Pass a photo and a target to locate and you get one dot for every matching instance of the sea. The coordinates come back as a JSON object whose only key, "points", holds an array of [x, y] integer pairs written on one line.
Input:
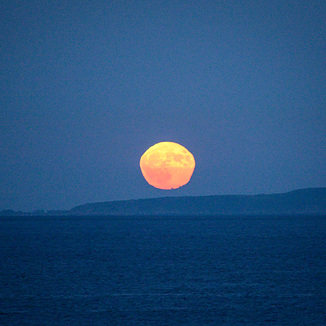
{"points": [[143, 270]]}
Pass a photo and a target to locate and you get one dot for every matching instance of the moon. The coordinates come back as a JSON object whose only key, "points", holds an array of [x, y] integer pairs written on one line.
{"points": [[167, 165]]}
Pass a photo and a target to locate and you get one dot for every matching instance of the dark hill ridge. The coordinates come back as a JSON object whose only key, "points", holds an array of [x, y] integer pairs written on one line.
{"points": [[304, 201]]}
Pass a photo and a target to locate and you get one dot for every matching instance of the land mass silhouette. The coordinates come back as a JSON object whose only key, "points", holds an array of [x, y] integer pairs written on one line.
{"points": [[298, 202], [303, 201]]}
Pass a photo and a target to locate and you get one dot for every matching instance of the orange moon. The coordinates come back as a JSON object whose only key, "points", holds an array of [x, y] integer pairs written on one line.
{"points": [[167, 165]]}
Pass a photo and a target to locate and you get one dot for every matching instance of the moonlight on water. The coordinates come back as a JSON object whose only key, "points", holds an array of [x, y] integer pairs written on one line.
{"points": [[167, 165]]}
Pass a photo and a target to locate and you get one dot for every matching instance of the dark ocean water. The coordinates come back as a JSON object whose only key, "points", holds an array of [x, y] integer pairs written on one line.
{"points": [[163, 271]]}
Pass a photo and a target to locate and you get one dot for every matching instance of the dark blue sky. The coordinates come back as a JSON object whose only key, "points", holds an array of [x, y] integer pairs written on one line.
{"points": [[88, 86]]}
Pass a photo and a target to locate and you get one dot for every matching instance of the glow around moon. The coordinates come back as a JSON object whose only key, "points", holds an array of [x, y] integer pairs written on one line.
{"points": [[167, 165]]}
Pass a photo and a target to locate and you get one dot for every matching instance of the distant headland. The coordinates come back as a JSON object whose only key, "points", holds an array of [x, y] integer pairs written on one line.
{"points": [[297, 202]]}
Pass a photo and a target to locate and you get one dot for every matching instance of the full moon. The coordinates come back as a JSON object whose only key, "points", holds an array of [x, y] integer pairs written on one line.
{"points": [[167, 165]]}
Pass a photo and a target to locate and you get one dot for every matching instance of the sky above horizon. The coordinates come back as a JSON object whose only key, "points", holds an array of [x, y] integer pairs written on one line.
{"points": [[88, 87]]}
